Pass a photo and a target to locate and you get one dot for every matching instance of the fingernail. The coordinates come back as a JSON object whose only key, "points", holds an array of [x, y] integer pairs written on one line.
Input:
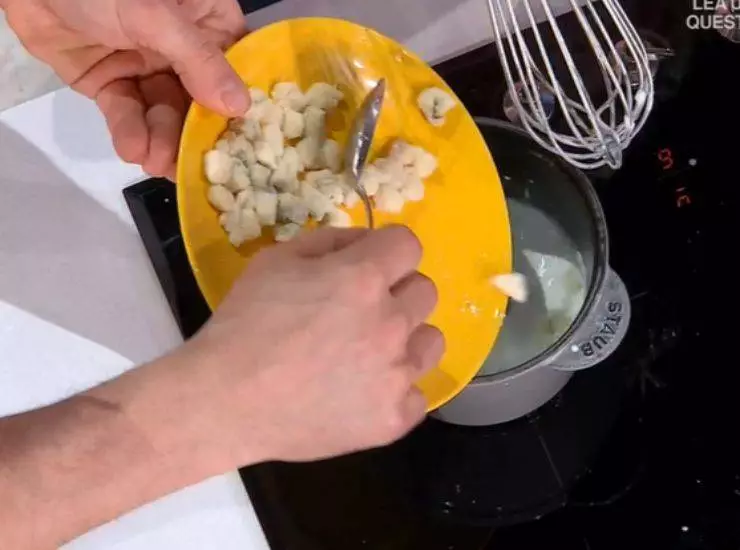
{"points": [[235, 99]]}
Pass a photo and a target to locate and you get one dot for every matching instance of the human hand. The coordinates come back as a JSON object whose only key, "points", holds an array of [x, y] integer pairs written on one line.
{"points": [[313, 354], [139, 60], [316, 350]]}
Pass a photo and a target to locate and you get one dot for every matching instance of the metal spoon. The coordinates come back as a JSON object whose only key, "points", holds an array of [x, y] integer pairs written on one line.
{"points": [[359, 142]]}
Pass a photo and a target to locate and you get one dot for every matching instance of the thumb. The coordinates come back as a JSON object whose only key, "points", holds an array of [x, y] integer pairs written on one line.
{"points": [[199, 63]]}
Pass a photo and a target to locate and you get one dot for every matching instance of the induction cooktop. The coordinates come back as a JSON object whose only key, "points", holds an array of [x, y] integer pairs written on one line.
{"points": [[249, 6], [640, 452]]}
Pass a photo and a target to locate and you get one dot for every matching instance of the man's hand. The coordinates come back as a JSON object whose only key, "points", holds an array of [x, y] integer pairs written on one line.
{"points": [[313, 354], [133, 57], [316, 351]]}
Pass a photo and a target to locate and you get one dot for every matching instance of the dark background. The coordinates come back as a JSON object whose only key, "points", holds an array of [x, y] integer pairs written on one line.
{"points": [[253, 5]]}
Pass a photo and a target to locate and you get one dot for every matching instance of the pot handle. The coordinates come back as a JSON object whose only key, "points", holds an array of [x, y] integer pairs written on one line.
{"points": [[601, 332]]}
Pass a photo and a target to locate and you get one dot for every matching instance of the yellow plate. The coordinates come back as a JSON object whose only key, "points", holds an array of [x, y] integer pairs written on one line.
{"points": [[463, 221]]}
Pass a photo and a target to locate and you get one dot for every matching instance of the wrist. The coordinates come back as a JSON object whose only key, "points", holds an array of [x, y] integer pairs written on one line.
{"points": [[110, 447], [177, 405]]}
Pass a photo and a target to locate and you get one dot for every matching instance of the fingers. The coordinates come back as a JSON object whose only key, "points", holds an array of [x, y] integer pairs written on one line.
{"points": [[125, 112], [314, 244], [165, 124], [416, 297], [413, 410], [145, 120], [165, 117], [200, 63], [425, 350], [395, 251], [113, 66]]}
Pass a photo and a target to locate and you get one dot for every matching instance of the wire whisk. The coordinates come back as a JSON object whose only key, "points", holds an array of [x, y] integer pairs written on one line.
{"points": [[589, 128]]}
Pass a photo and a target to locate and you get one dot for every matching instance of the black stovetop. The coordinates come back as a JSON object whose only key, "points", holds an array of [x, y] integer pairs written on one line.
{"points": [[640, 452]]}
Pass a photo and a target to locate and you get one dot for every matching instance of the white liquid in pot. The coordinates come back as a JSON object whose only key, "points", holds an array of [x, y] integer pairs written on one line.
{"points": [[557, 282]]}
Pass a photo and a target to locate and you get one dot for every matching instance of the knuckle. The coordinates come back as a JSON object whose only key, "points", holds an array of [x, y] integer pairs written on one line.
{"points": [[391, 423], [398, 384], [369, 278], [437, 343], [428, 289], [397, 428], [405, 234], [395, 425], [406, 239], [395, 330], [208, 52], [205, 54], [364, 281], [130, 151]]}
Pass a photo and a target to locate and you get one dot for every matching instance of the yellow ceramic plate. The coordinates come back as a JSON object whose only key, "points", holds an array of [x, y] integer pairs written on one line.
{"points": [[463, 221]]}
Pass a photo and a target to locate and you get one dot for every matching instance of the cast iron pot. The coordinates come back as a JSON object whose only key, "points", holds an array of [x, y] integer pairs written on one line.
{"points": [[533, 176]]}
